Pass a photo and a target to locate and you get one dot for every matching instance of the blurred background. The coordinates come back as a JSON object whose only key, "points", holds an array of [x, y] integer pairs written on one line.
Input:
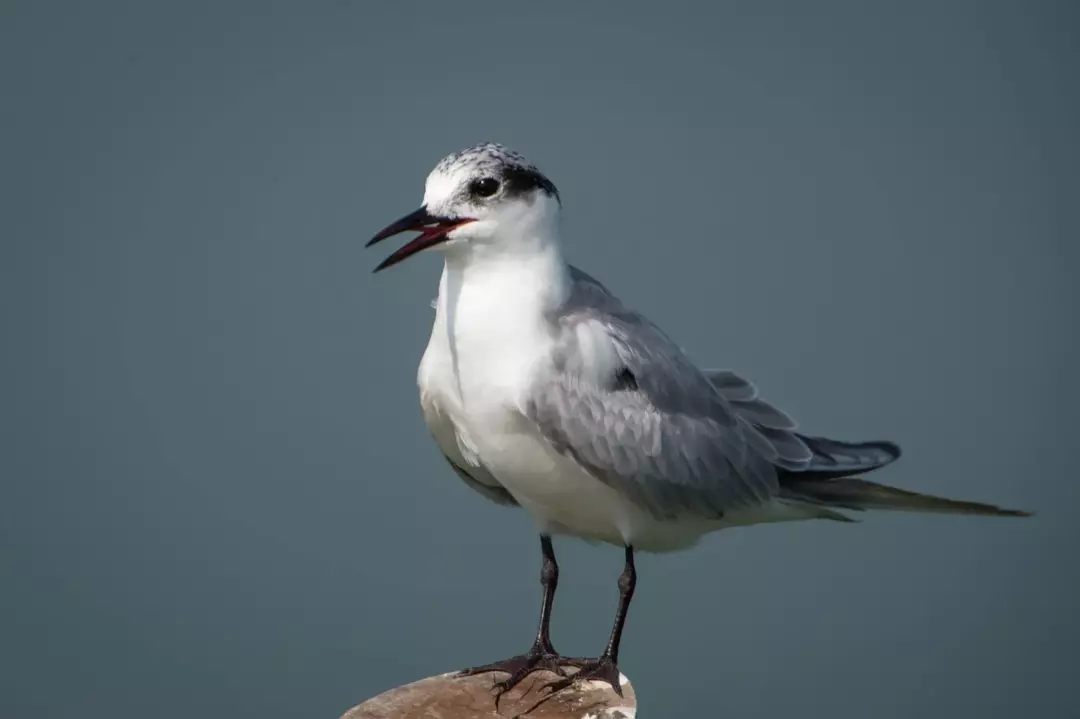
{"points": [[219, 498]]}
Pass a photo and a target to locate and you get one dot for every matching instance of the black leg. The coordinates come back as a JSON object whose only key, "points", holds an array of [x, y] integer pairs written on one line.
{"points": [[606, 666], [627, 583], [549, 580], [542, 655]]}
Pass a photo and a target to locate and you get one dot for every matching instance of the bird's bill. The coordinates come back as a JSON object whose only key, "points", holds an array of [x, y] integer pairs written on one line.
{"points": [[432, 229]]}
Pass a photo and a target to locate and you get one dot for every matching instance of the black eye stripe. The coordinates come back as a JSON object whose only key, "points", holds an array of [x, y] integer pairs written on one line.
{"points": [[514, 181], [520, 180]]}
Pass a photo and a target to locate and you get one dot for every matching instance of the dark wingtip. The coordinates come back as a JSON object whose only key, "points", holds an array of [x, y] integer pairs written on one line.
{"points": [[890, 448], [1015, 513], [886, 446]]}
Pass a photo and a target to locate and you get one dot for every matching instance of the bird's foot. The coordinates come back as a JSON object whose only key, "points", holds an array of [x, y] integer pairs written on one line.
{"points": [[601, 669], [536, 659]]}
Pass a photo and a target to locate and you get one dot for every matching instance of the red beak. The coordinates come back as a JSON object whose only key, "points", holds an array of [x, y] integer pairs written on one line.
{"points": [[433, 230]]}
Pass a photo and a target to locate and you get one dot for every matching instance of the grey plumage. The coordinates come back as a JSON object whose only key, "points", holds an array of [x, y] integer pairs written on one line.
{"points": [[687, 442], [673, 445]]}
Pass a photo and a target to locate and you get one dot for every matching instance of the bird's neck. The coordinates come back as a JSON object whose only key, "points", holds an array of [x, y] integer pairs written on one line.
{"points": [[527, 277], [493, 311]]}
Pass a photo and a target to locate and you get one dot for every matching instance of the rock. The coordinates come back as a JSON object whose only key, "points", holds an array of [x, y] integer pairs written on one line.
{"points": [[447, 696]]}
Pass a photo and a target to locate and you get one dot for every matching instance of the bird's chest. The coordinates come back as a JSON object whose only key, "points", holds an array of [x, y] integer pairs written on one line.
{"points": [[475, 372], [495, 336]]}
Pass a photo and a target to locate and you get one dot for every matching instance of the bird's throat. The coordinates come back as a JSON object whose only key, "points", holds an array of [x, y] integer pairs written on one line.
{"points": [[495, 313]]}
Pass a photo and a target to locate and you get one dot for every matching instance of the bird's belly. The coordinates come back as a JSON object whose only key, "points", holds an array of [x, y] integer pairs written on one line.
{"points": [[563, 498]]}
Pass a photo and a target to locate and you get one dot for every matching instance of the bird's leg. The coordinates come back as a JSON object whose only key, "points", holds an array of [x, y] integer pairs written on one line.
{"points": [[542, 655], [549, 580], [606, 666]]}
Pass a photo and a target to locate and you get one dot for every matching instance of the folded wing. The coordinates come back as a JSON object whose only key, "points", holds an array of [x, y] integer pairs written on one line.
{"points": [[624, 401]]}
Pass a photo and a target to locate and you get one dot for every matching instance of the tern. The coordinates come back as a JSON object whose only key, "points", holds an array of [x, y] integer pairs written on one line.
{"points": [[544, 391]]}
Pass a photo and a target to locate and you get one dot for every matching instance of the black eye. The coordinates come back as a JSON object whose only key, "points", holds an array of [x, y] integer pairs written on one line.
{"points": [[484, 187]]}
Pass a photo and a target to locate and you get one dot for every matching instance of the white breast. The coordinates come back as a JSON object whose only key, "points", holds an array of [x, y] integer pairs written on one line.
{"points": [[440, 399]]}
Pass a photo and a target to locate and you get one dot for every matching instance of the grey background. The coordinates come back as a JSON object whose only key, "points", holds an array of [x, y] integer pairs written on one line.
{"points": [[219, 498]]}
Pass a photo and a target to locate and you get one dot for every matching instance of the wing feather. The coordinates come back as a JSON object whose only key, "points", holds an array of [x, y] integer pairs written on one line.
{"points": [[670, 441]]}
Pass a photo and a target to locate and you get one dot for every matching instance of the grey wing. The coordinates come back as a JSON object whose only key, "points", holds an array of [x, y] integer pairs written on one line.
{"points": [[741, 394], [623, 400], [792, 452], [808, 455]]}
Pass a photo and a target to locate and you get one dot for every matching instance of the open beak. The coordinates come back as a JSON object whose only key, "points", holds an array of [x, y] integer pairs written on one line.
{"points": [[432, 229]]}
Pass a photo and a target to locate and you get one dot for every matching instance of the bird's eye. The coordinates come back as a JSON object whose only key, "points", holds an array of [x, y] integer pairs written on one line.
{"points": [[484, 187]]}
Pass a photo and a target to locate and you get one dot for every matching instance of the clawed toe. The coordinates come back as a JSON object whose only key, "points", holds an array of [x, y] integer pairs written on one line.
{"points": [[519, 668], [603, 669]]}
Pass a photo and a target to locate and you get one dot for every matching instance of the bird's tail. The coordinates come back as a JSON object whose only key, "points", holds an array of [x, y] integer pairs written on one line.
{"points": [[859, 494]]}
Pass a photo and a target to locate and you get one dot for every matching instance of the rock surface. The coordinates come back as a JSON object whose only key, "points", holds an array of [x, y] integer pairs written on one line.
{"points": [[447, 696]]}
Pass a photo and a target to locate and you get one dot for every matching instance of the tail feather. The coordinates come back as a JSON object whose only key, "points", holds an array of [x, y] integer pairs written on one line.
{"points": [[859, 494]]}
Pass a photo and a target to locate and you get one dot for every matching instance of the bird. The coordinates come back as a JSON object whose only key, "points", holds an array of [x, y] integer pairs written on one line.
{"points": [[545, 392]]}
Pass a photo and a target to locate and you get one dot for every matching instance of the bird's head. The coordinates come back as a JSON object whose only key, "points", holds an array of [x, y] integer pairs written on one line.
{"points": [[483, 199]]}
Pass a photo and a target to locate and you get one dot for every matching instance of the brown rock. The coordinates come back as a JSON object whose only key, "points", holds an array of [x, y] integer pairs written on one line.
{"points": [[447, 696]]}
